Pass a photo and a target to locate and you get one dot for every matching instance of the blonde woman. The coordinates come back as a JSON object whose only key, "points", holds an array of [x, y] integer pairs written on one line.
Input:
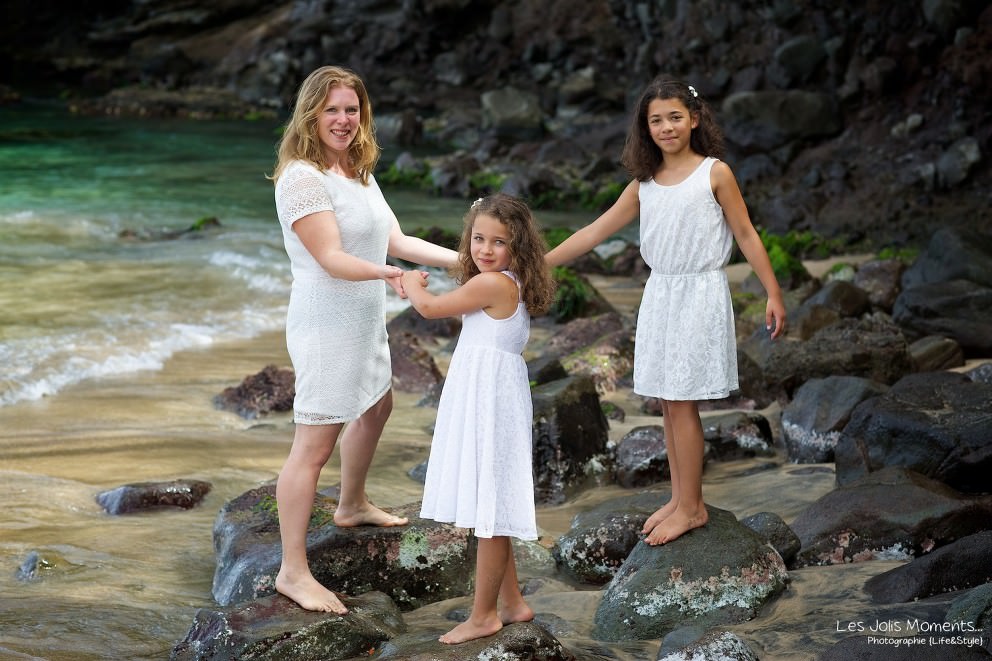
{"points": [[338, 230]]}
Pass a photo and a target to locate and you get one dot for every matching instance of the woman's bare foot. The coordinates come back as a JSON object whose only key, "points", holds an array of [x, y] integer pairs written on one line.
{"points": [[369, 515], [521, 613], [471, 629], [659, 515], [309, 594], [677, 524]]}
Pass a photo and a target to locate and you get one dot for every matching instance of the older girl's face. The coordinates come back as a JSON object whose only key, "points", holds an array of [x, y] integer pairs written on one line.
{"points": [[670, 124], [338, 123]]}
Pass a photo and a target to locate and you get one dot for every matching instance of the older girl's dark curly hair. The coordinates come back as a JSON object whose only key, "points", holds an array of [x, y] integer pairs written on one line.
{"points": [[641, 156]]}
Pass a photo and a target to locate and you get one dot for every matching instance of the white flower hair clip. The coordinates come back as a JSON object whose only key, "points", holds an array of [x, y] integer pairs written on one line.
{"points": [[476, 203], [692, 90]]}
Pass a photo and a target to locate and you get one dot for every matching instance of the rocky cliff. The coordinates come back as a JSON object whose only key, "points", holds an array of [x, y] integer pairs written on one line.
{"points": [[862, 121]]}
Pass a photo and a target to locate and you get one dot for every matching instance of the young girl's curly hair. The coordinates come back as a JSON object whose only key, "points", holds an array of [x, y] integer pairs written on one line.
{"points": [[527, 248], [641, 156], [300, 139]]}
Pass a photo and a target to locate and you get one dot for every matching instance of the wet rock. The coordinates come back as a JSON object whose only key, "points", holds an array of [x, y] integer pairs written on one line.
{"points": [[962, 564], [738, 435], [28, 569], [776, 532], [274, 628], [975, 607], [569, 431], [601, 538], [609, 360], [894, 513], [934, 353], [545, 369], [935, 423], [414, 369], [411, 321], [584, 331], [522, 641], [272, 389], [722, 645], [141, 496], [641, 457], [414, 565], [720, 573], [813, 421]]}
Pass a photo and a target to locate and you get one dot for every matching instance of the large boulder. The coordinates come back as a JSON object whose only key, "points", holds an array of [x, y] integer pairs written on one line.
{"points": [[415, 565], [892, 513], [936, 423], [271, 390], [720, 573], [522, 641], [274, 628]]}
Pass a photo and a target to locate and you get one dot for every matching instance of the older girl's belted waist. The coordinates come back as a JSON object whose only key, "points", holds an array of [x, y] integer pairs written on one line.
{"points": [[690, 275]]}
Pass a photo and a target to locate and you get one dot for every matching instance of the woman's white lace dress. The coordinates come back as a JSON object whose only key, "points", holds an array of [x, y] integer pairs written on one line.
{"points": [[685, 346], [480, 471], [335, 329]]}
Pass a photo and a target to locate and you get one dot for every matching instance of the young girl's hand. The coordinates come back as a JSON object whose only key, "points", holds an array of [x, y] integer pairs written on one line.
{"points": [[415, 278], [775, 314]]}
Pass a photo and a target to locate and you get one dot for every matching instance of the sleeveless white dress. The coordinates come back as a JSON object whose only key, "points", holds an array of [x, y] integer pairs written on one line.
{"points": [[480, 471], [685, 344], [335, 329]]}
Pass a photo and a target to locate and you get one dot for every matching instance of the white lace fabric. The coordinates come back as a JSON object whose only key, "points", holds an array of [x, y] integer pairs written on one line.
{"points": [[685, 345]]}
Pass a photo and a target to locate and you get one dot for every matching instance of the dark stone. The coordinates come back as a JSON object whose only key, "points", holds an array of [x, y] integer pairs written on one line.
{"points": [[958, 309], [776, 532], [414, 369], [274, 628], [738, 435], [641, 457], [272, 389], [141, 496], [934, 353]]}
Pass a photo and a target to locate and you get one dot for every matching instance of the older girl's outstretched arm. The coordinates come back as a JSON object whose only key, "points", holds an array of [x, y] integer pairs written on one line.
{"points": [[493, 292], [728, 194], [624, 210]]}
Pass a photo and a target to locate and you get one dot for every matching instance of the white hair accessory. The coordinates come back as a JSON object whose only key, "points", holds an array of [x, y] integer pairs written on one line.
{"points": [[476, 203], [692, 90]]}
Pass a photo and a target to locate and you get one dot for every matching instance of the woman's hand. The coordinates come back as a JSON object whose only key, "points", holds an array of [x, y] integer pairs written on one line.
{"points": [[393, 276]]}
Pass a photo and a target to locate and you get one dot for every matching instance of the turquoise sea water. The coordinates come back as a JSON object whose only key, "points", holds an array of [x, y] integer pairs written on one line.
{"points": [[81, 297]]}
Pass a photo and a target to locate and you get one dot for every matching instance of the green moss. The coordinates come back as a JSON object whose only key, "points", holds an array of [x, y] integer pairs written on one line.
{"points": [[268, 506], [418, 177], [486, 182], [572, 296], [907, 255]]}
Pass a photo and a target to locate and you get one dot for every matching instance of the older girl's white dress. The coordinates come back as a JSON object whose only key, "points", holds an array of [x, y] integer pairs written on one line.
{"points": [[335, 329], [480, 471], [685, 344]]}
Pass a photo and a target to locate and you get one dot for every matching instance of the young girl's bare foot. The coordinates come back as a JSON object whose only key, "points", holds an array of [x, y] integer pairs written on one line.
{"points": [[369, 515], [471, 629], [676, 525], [659, 515], [521, 613], [309, 594]]}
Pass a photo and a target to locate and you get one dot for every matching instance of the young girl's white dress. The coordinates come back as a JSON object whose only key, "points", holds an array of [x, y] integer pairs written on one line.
{"points": [[685, 344], [335, 329], [480, 471]]}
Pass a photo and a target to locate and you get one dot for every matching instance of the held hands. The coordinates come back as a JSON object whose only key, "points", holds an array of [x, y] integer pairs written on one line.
{"points": [[414, 279], [392, 275], [775, 316]]}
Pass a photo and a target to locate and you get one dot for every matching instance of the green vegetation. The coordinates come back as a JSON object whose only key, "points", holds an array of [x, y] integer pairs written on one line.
{"points": [[486, 182], [554, 236], [318, 518], [906, 255], [572, 296], [408, 177]]}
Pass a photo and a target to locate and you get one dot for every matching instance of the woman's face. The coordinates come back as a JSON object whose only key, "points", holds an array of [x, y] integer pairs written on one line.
{"points": [[338, 123]]}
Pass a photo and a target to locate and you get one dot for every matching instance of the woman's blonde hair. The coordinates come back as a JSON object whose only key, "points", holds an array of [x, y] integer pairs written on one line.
{"points": [[300, 139], [527, 248]]}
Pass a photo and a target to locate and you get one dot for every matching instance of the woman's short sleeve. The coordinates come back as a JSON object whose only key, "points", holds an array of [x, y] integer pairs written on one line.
{"points": [[300, 192]]}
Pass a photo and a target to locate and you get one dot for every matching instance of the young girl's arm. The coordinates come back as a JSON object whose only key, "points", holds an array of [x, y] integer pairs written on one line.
{"points": [[624, 210], [728, 194], [493, 292]]}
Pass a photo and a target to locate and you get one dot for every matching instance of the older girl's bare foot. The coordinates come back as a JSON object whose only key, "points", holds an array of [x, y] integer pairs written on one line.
{"points": [[369, 515], [471, 629], [676, 525], [521, 613], [659, 515], [309, 594]]}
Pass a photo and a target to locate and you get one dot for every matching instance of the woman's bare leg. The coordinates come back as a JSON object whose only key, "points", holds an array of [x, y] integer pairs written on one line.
{"points": [[671, 452], [688, 443], [490, 570], [358, 444], [295, 489]]}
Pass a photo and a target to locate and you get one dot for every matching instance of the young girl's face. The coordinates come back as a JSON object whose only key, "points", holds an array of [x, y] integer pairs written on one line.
{"points": [[490, 244], [670, 124]]}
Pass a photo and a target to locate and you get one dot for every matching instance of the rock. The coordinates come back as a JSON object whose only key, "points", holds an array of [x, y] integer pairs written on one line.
{"points": [[414, 369], [772, 118], [952, 254], [583, 332], [272, 389], [274, 628], [641, 457], [813, 421], [601, 538], [609, 360], [721, 645], [522, 641], [545, 369], [569, 430], [776, 532], [894, 513], [414, 565], [512, 113], [934, 353], [958, 309], [720, 573], [411, 321], [142, 496], [738, 435], [962, 564], [843, 297], [935, 423], [880, 279], [974, 607]]}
